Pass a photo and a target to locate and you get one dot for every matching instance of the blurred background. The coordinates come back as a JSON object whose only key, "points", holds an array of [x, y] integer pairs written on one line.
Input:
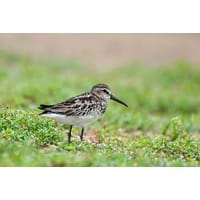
{"points": [[106, 50], [157, 75]]}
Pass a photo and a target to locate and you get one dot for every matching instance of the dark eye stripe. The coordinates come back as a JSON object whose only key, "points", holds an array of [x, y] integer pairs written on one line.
{"points": [[106, 92]]}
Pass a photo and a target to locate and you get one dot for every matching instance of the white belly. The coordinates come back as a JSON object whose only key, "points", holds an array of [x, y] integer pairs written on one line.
{"points": [[80, 121]]}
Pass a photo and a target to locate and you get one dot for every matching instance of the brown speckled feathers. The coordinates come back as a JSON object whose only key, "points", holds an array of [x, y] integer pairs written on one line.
{"points": [[80, 105]]}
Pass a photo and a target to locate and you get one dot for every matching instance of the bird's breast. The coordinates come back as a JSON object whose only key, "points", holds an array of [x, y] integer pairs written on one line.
{"points": [[80, 121]]}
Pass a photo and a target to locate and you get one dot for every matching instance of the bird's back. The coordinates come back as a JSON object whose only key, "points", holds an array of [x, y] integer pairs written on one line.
{"points": [[81, 105]]}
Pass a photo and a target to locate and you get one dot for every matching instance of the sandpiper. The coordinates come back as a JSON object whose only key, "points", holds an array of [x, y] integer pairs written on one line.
{"points": [[81, 110]]}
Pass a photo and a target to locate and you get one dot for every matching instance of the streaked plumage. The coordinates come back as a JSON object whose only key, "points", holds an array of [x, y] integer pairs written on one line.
{"points": [[81, 110]]}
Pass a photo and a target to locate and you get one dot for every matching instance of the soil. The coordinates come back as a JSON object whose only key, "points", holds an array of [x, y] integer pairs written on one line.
{"points": [[107, 50]]}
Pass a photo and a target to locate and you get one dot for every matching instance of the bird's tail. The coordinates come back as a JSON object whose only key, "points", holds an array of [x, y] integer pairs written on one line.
{"points": [[43, 107]]}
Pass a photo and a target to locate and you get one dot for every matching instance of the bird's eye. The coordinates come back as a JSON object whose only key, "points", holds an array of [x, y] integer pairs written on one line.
{"points": [[106, 91]]}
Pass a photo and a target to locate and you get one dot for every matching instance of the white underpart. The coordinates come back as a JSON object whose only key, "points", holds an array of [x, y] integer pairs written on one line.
{"points": [[80, 121]]}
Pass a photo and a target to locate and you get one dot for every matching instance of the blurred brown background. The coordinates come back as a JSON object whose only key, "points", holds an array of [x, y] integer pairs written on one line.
{"points": [[107, 50]]}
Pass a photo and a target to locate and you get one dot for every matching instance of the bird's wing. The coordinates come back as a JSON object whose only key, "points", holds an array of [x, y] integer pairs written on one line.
{"points": [[71, 107]]}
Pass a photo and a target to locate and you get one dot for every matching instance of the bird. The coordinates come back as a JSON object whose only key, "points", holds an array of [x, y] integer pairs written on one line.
{"points": [[81, 110]]}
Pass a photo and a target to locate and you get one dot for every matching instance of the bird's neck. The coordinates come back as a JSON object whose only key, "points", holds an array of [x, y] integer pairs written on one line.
{"points": [[98, 97]]}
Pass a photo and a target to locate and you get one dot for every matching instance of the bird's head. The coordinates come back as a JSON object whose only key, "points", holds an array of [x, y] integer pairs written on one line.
{"points": [[103, 91]]}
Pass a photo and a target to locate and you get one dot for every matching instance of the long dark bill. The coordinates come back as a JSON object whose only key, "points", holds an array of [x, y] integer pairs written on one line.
{"points": [[117, 100]]}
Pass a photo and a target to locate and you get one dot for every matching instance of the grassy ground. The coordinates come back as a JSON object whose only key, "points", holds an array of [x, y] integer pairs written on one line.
{"points": [[161, 127]]}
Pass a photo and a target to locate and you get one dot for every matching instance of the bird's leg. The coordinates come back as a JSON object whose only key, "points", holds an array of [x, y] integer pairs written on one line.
{"points": [[69, 134], [81, 136]]}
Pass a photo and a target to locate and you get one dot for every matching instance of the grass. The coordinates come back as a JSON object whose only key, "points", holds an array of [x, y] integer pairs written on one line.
{"points": [[161, 127]]}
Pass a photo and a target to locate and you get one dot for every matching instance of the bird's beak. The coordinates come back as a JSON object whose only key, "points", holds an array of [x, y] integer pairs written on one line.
{"points": [[117, 100]]}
